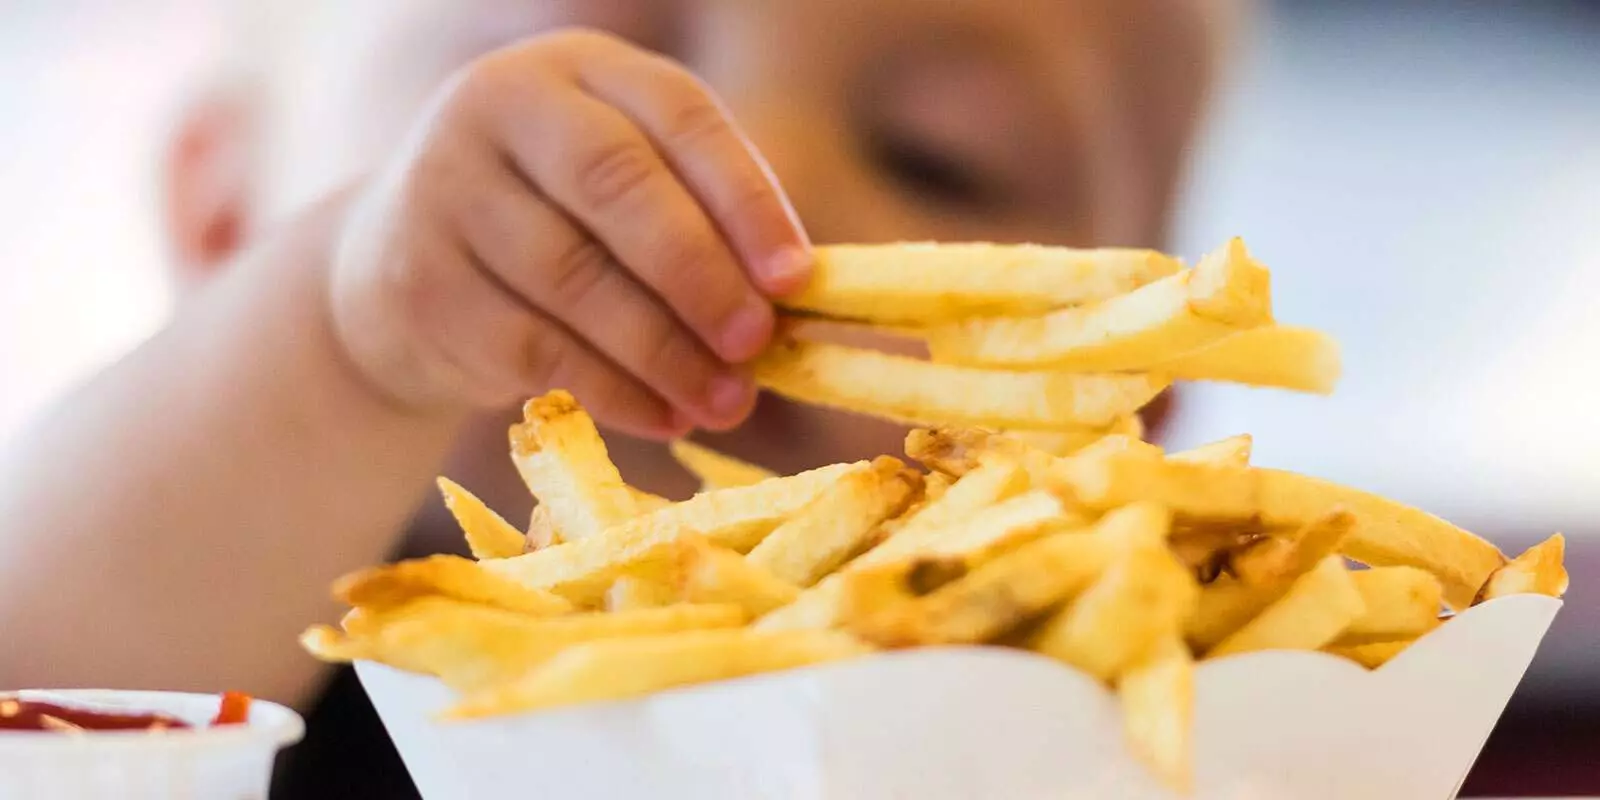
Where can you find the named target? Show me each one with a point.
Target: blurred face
(1054, 121)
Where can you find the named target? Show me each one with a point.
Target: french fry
(559, 453)
(1000, 528)
(922, 283)
(1065, 443)
(805, 326)
(448, 576)
(632, 593)
(645, 502)
(956, 451)
(837, 523)
(1276, 356)
(1013, 587)
(1204, 550)
(470, 646)
(1371, 655)
(712, 574)
(716, 470)
(859, 592)
(1193, 491)
(921, 393)
(622, 668)
(1313, 612)
(1141, 599)
(971, 494)
(488, 534)
(1157, 696)
(1271, 559)
(1539, 570)
(1233, 451)
(1401, 603)
(1386, 533)
(1225, 606)
(736, 518)
(542, 531)
(1227, 292)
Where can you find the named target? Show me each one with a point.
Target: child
(488, 204)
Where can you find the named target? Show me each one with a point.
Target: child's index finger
(715, 159)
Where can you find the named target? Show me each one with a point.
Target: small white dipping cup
(230, 761)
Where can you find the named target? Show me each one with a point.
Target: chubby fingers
(546, 260)
(645, 158)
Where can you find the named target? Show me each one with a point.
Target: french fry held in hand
(1226, 293)
(921, 392)
(1069, 536)
(925, 283)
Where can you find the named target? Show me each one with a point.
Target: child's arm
(176, 522)
(574, 213)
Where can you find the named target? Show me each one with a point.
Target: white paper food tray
(959, 723)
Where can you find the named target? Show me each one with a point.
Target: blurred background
(1424, 178)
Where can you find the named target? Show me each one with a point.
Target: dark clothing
(346, 753)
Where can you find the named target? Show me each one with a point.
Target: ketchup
(36, 715)
(17, 714)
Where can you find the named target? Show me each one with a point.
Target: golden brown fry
(488, 534)
(1194, 492)
(1318, 606)
(443, 576)
(1233, 451)
(1271, 559)
(645, 502)
(1066, 443)
(1142, 598)
(734, 518)
(1401, 603)
(859, 592)
(1227, 292)
(1225, 606)
(956, 451)
(561, 457)
(712, 574)
(837, 523)
(934, 485)
(633, 592)
(977, 492)
(542, 532)
(1000, 528)
(1157, 696)
(1386, 533)
(1539, 570)
(716, 470)
(924, 393)
(1013, 587)
(1271, 355)
(922, 283)
(621, 668)
(1204, 549)
(470, 646)
(1370, 655)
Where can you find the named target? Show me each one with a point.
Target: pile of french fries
(1038, 518)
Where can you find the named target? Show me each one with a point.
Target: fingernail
(786, 271)
(729, 396)
(747, 331)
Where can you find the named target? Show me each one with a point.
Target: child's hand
(578, 213)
